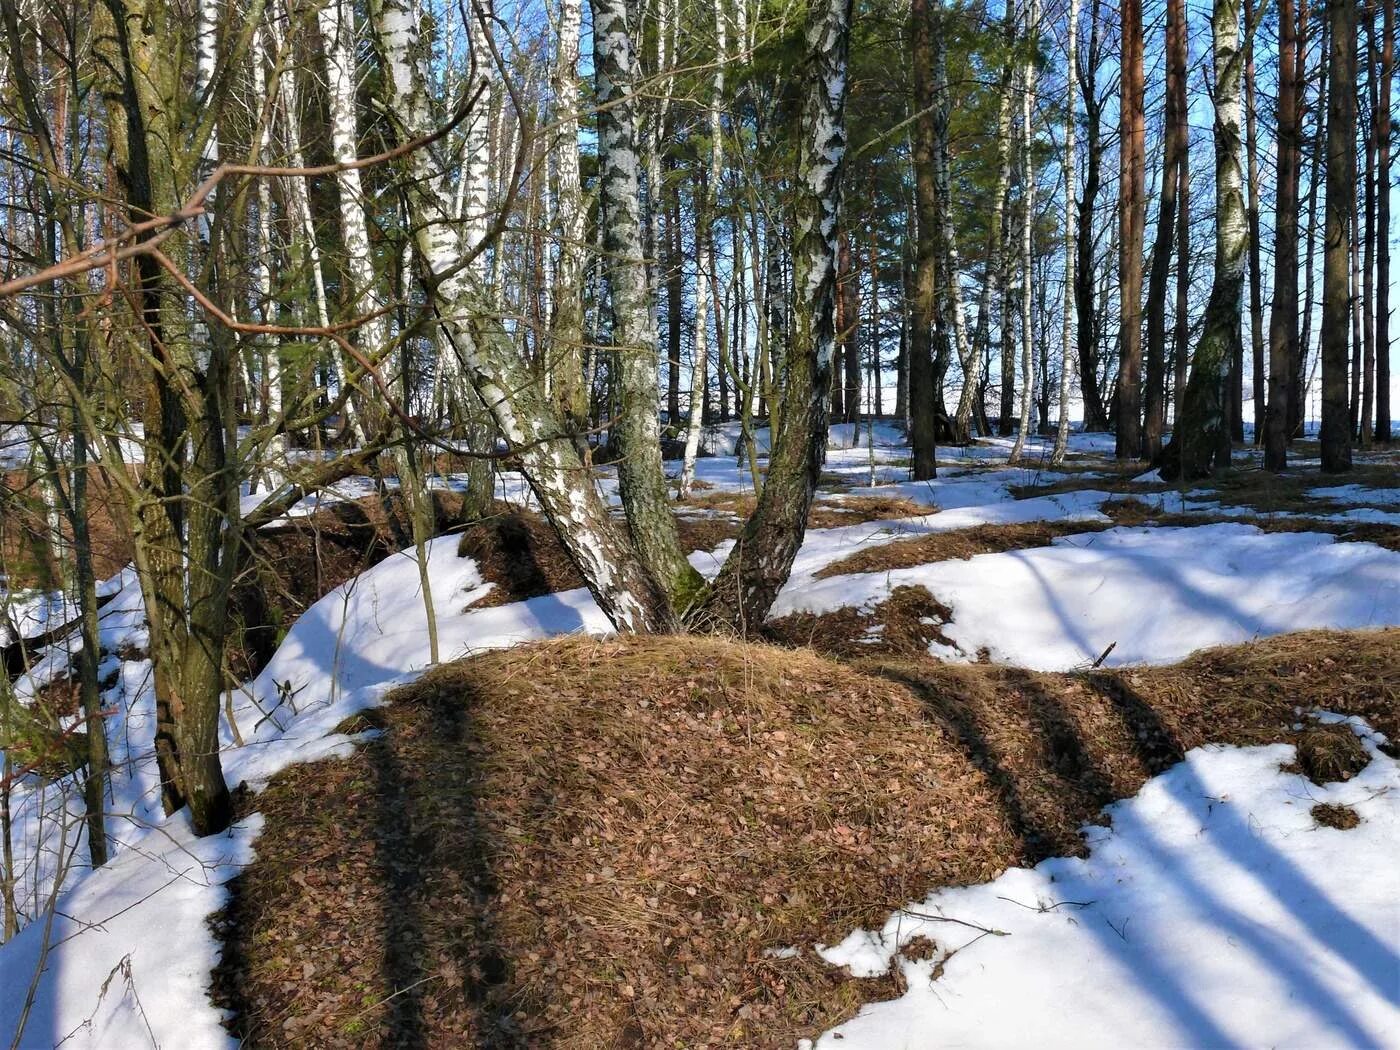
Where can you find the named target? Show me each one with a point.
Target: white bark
(705, 254)
(269, 357)
(527, 421)
(1027, 223)
(1069, 339)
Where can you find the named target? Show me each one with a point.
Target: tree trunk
(570, 215)
(1085, 309)
(754, 572)
(1341, 195)
(1256, 303)
(1283, 317)
(1383, 223)
(1201, 439)
(1174, 146)
(641, 482)
(922, 417)
(1071, 233)
(1027, 229)
(850, 331)
(1131, 220)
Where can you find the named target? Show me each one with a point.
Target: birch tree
(762, 557)
(1067, 342)
(708, 193)
(1201, 439)
(529, 421)
(641, 480)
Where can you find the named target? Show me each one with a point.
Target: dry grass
(959, 543)
(825, 513)
(518, 552)
(1133, 512)
(1333, 815)
(903, 625)
(595, 844)
(26, 556)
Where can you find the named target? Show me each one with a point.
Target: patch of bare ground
(26, 543)
(1133, 512)
(904, 624)
(1268, 493)
(1103, 475)
(829, 513)
(604, 843)
(958, 543)
(518, 552)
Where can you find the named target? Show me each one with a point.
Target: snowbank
(1215, 911)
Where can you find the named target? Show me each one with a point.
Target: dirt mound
(590, 844)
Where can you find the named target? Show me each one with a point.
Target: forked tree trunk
(754, 572)
(1201, 439)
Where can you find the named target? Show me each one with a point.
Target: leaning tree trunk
(528, 418)
(756, 569)
(1201, 439)
(1341, 193)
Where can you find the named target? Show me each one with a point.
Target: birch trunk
(1071, 238)
(1201, 439)
(947, 234)
(641, 480)
(754, 572)
(528, 421)
(1027, 230)
(567, 359)
(705, 275)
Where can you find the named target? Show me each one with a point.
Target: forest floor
(895, 796)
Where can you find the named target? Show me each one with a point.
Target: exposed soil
(597, 844)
